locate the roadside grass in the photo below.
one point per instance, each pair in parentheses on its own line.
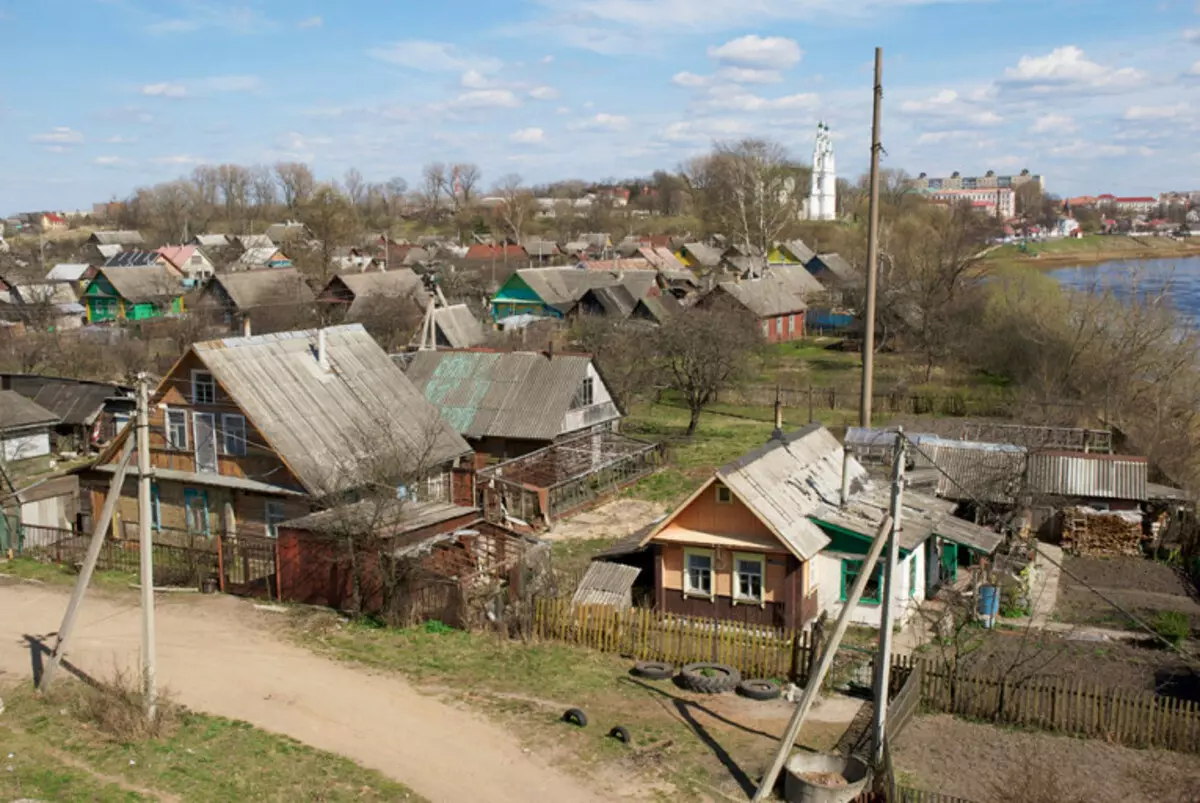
(695,743)
(60,751)
(62,575)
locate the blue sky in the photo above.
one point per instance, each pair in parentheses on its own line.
(104,96)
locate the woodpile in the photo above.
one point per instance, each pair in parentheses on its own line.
(1097,533)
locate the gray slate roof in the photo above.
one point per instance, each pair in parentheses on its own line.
(782,290)
(143,284)
(67,272)
(330,426)
(520,394)
(840,271)
(18,412)
(393,283)
(256,288)
(211,240)
(75,402)
(385,519)
(607,584)
(458,327)
(248,241)
(799,250)
(706,255)
(562,288)
(117,237)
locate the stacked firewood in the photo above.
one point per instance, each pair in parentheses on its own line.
(1093,533)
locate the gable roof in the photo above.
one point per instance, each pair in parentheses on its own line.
(257,288)
(706,255)
(562,288)
(520,394)
(798,250)
(838,268)
(458,326)
(211,240)
(133,259)
(489,251)
(116,238)
(258,255)
(75,402)
(783,289)
(279,232)
(107,251)
(178,255)
(18,412)
(398,283)
(248,241)
(142,284)
(68,272)
(325,424)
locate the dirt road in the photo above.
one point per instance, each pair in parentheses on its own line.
(216,655)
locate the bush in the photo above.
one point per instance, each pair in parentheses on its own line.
(115,709)
(1172,626)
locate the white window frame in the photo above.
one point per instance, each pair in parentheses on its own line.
(212,381)
(274,514)
(750,557)
(724,495)
(688,589)
(225,435)
(167,426)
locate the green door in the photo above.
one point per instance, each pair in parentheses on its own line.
(949,562)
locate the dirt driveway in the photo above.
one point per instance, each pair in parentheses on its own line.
(218,655)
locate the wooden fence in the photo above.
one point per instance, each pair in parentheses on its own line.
(757,652)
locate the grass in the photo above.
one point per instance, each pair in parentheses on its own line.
(575,554)
(62,575)
(1090,248)
(53,749)
(530,685)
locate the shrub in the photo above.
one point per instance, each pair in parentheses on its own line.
(1172,626)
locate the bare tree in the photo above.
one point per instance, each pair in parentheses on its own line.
(264,192)
(330,217)
(518,205)
(173,210)
(355,187)
(468,176)
(296,182)
(208,184)
(433,189)
(708,349)
(234,183)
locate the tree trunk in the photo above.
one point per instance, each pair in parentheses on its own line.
(694,421)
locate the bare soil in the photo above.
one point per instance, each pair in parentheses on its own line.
(987,764)
(1142,587)
(617,519)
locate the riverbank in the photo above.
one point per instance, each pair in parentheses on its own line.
(1092,250)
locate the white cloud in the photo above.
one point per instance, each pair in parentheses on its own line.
(311,22)
(1192,35)
(1081,149)
(731,97)
(689,79)
(1069,67)
(936,137)
(758,52)
(165,90)
(1156,112)
(543,93)
(474,79)
(59,136)
(941,100)
(707,130)
(745,75)
(1195,69)
(547,59)
(528,136)
(427,56)
(1054,124)
(180,159)
(602,122)
(481,99)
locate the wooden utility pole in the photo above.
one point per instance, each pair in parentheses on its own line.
(883,659)
(99,533)
(868,354)
(816,679)
(146,547)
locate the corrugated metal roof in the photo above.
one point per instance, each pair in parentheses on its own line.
(331,426)
(258,256)
(17,412)
(1097,476)
(458,326)
(398,283)
(562,288)
(257,288)
(799,250)
(991,472)
(607,584)
(248,241)
(840,270)
(391,517)
(76,403)
(117,237)
(706,255)
(507,395)
(781,290)
(150,283)
(211,240)
(68,272)
(211,480)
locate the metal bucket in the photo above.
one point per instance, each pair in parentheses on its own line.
(824,778)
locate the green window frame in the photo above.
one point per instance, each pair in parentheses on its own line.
(850,570)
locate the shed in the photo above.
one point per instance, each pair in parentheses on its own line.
(24,427)
(607,584)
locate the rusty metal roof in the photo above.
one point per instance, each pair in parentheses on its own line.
(522,394)
(1095,476)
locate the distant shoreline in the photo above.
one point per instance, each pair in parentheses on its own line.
(1085,258)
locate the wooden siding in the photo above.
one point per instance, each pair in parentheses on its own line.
(734,520)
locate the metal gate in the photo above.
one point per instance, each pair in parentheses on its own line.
(249,566)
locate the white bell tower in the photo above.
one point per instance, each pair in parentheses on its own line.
(822,199)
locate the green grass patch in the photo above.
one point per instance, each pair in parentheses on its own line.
(60,754)
(574,554)
(62,575)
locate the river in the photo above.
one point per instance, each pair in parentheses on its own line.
(1181,273)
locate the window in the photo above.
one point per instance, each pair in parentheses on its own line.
(697,573)
(233,435)
(195,507)
(435,488)
(748,573)
(586,395)
(874,590)
(204,388)
(177,432)
(275,516)
(724,495)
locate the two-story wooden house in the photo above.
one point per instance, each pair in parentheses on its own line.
(246,433)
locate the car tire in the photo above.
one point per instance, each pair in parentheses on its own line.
(709,678)
(654,670)
(759,689)
(575,716)
(621,734)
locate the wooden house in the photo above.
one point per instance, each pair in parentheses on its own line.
(133,294)
(778,300)
(233,296)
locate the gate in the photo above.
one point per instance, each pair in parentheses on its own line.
(249,566)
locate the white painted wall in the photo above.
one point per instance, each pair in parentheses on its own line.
(23,447)
(601,410)
(827,572)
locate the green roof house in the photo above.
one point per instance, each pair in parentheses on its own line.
(133,294)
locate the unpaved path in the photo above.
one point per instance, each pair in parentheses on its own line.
(216,655)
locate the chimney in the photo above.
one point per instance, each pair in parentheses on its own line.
(847,453)
(322,354)
(245,326)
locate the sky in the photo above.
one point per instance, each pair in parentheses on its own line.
(104,96)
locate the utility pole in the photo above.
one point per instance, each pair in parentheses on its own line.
(868,376)
(883,662)
(146,547)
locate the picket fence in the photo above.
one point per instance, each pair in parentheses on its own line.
(1065,705)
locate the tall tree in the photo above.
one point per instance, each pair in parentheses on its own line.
(296,183)
(433,189)
(234,183)
(330,217)
(468,177)
(355,186)
(517,207)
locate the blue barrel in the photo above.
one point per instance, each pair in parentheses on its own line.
(989,604)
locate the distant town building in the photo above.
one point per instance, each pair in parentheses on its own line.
(989,180)
(822,198)
(998,201)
